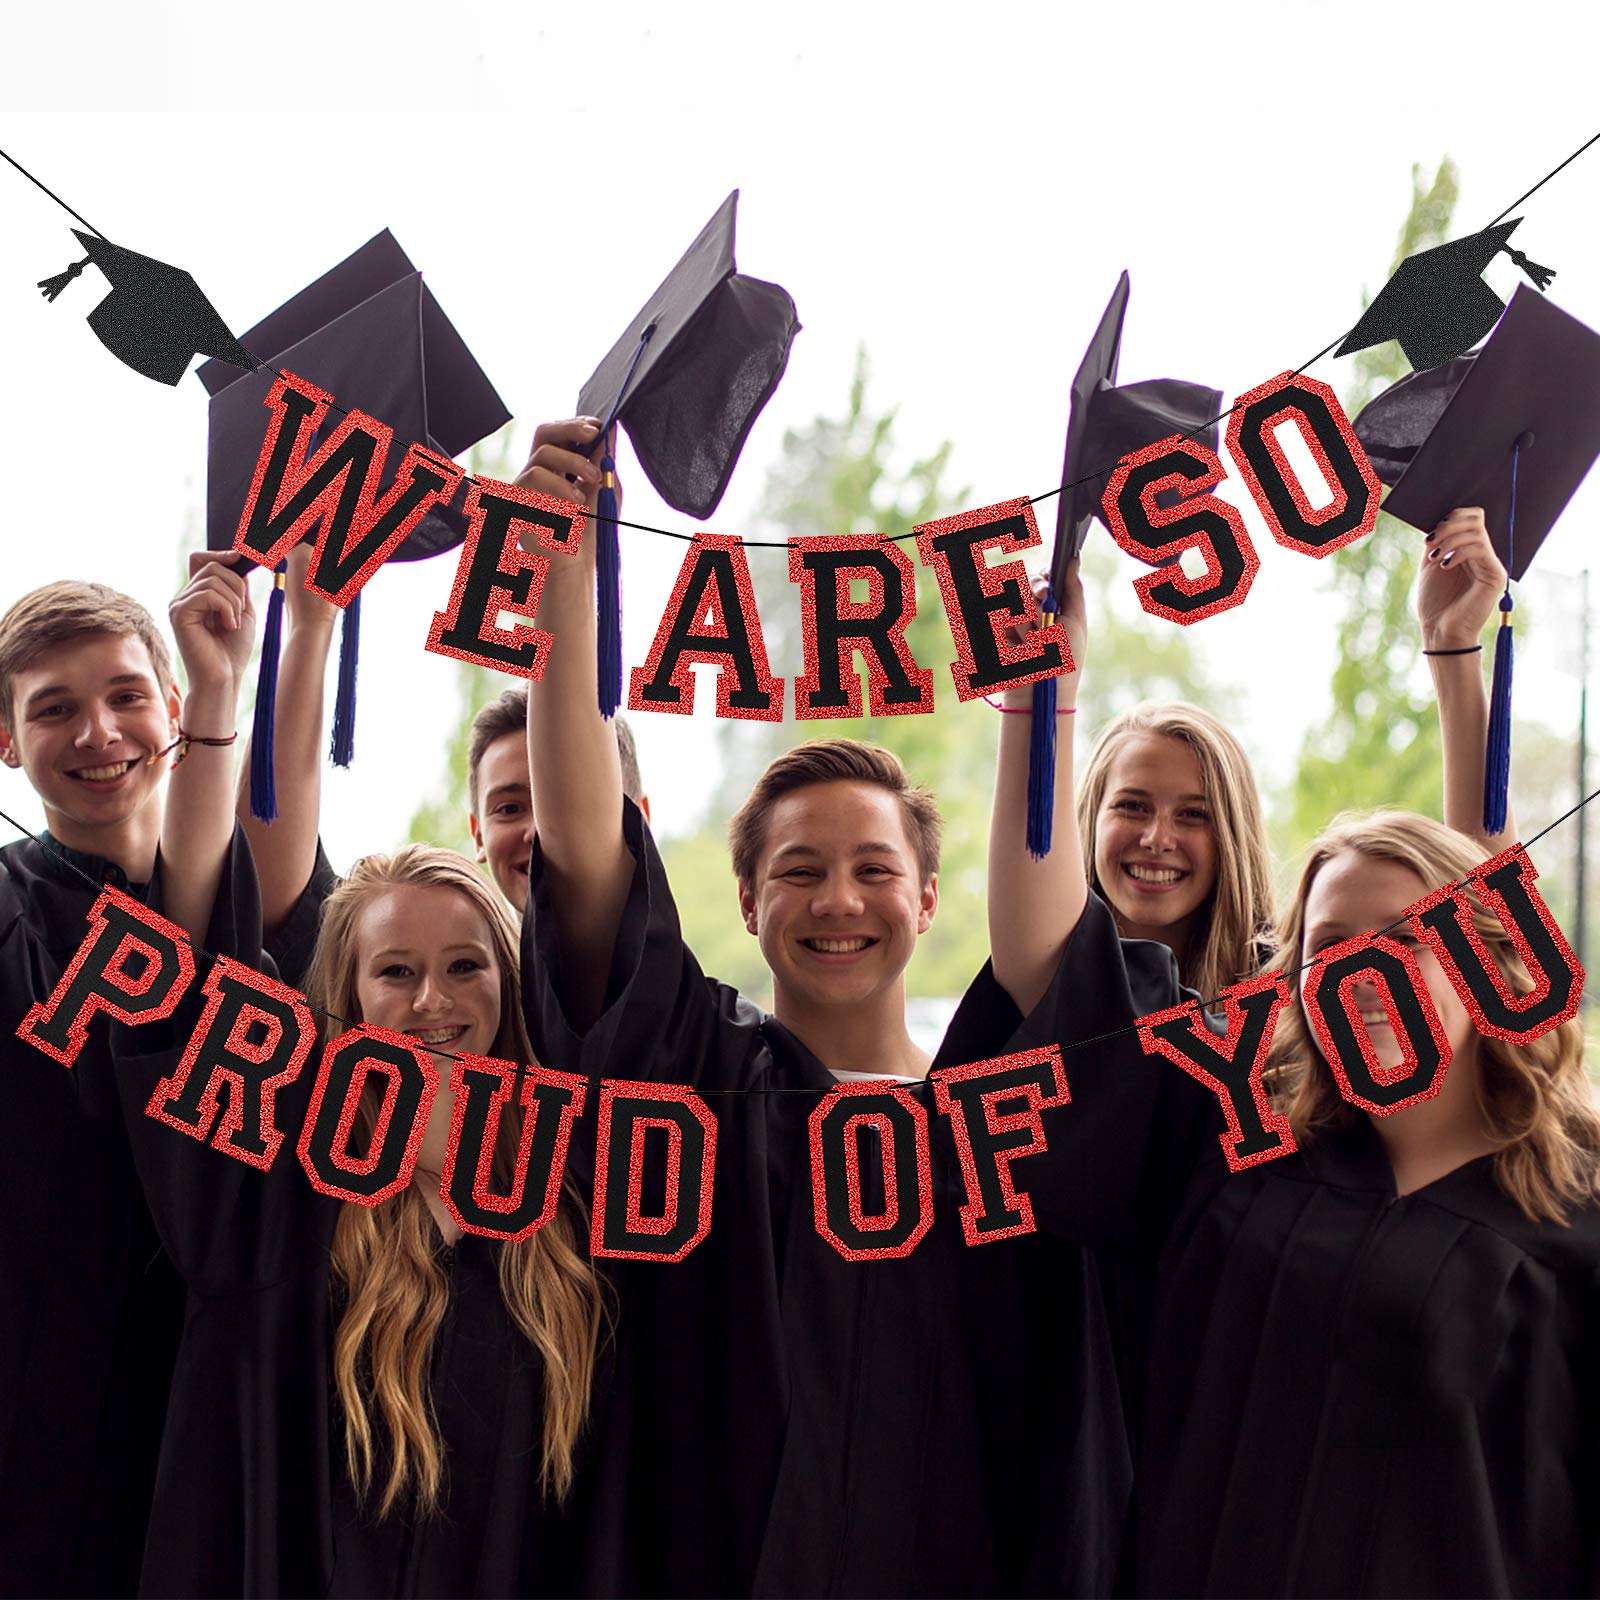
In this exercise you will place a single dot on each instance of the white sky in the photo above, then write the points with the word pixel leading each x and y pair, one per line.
pixel 955 186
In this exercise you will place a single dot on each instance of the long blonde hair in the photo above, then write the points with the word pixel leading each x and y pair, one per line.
pixel 394 1291
pixel 1231 943
pixel 1534 1097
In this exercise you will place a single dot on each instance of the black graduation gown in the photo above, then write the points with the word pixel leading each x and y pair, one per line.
pixel 784 1421
pixel 1346 1392
pixel 291 944
pixel 91 1305
pixel 252 1497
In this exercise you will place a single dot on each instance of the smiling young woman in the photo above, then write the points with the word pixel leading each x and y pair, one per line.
pixel 1174 841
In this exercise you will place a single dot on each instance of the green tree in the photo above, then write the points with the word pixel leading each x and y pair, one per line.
pixel 845 475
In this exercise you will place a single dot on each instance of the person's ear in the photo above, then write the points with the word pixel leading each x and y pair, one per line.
pixel 747 910
pixel 929 904
pixel 9 754
pixel 477 838
pixel 174 707
pixel 644 806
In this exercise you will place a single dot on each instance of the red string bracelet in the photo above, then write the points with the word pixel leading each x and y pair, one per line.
pixel 182 743
pixel 1025 711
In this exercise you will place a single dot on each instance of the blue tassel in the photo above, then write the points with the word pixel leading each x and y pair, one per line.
pixel 1042 757
pixel 1042 769
pixel 344 701
pixel 1497 762
pixel 608 591
pixel 263 792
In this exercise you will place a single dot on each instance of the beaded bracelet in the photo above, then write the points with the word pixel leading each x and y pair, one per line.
pixel 182 743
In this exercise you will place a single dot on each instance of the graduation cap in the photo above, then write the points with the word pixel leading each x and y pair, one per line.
pixel 687 380
pixel 1105 424
pixel 155 319
pixel 1513 429
pixel 1437 304
pixel 370 333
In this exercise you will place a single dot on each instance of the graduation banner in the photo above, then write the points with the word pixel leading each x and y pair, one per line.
pixel 255 1035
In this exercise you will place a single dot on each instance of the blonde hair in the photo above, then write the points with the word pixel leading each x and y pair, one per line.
pixel 1237 923
pixel 393 1289
pixel 1534 1097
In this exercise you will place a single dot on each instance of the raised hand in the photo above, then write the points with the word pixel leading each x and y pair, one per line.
pixel 214 624
pixel 557 468
pixel 1460 581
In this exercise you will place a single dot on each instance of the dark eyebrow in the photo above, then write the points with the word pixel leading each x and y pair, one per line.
pixel 874 848
pixel 65 688
pixel 509 788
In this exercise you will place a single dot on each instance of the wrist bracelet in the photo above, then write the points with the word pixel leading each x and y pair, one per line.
pixel 1465 650
pixel 182 743
pixel 1026 711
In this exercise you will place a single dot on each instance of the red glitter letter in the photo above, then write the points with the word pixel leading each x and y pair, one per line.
pixel 835 627
pixel 1411 1015
pixel 98 977
pixel 901 1127
pixel 336 491
pixel 1443 920
pixel 712 584
pixel 1200 522
pixel 496 574
pixel 1315 410
pixel 628 1110
pixel 547 1103
pixel 220 1057
pixel 989 1140
pixel 409 1082
pixel 1230 1066
pixel 980 599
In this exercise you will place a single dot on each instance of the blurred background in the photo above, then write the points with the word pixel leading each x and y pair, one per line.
pixel 949 195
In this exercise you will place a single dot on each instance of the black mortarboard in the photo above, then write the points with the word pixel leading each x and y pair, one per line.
pixel 1437 304
pixel 370 333
pixel 1518 429
pixel 155 319
pixel 687 380
pixel 1106 423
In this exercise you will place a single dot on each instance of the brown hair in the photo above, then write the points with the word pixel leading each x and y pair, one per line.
pixel 1535 1097
pixel 393 1289
pixel 68 609
pixel 834 761
pixel 509 714
pixel 1238 912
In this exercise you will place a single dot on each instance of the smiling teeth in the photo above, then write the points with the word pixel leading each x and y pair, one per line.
pixel 837 947
pixel 1154 874
pixel 102 774
pixel 1370 1018
pixel 436 1035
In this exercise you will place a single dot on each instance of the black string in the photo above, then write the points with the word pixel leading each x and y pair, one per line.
pixel 1544 180
pixel 51 192
pixel 920 1083
pixel 784 544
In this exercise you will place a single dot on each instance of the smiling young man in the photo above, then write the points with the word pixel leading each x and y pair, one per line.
pixel 88 706
pixel 941 1421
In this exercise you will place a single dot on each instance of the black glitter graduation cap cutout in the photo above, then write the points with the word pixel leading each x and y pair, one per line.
pixel 1437 304
pixel 1513 429
pixel 155 320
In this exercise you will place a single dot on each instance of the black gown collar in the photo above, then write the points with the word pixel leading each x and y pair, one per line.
pixel 63 859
